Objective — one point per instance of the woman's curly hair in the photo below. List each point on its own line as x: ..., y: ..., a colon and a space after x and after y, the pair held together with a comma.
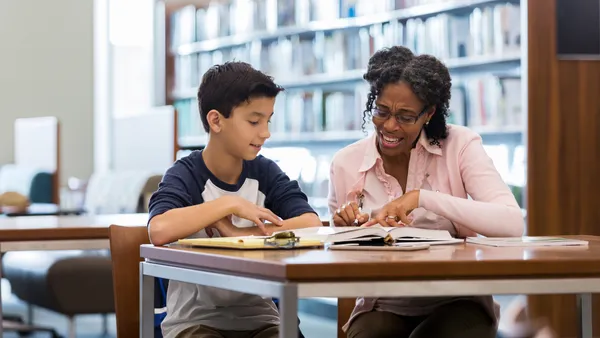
x: 428, y: 77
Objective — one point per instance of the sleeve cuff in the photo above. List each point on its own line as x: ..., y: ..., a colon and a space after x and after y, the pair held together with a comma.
x: 299, y: 209
x: 425, y: 198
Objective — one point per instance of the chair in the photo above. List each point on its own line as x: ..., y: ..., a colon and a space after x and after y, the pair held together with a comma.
x: 36, y: 184
x: 70, y: 282
x: 125, y: 252
x: 345, y: 307
x: 46, y: 278
x: 37, y: 145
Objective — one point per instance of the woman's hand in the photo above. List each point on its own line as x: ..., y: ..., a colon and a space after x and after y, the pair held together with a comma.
x: 397, y: 210
x: 349, y: 215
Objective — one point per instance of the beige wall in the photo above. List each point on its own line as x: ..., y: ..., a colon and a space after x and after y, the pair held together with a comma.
x: 46, y: 68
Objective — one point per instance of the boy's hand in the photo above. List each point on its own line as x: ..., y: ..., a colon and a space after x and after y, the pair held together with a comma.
x: 209, y: 232
x: 243, y: 208
x: 224, y: 227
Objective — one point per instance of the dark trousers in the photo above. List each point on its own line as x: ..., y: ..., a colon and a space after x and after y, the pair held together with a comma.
x: 460, y: 319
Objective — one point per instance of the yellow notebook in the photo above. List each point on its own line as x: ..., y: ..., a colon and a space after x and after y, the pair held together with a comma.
x: 250, y: 242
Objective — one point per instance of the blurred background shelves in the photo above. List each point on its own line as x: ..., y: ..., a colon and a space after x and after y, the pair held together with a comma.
x: 319, y: 50
x: 286, y: 140
x: 417, y: 11
x: 350, y: 78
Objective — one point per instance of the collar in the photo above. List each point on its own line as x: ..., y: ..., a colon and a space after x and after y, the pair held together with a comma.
x: 372, y: 155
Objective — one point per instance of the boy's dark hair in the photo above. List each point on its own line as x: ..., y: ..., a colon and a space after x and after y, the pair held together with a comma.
x: 226, y: 86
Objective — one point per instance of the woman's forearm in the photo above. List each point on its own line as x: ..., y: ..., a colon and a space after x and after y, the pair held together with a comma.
x: 492, y: 219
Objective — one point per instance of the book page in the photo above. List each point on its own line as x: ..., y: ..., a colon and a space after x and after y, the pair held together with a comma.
x: 418, y: 233
x: 333, y: 234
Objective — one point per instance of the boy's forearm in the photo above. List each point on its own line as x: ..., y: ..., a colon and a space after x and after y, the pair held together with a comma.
x: 303, y: 221
x: 180, y: 223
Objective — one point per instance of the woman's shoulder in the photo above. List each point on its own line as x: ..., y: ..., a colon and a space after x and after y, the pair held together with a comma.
x: 352, y: 154
x: 459, y: 136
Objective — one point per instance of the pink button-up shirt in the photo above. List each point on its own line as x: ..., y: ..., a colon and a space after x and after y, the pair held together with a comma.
x: 446, y: 176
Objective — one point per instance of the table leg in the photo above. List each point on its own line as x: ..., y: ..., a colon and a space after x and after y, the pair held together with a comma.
x: 584, y: 312
x: 288, y: 312
x: 146, y: 304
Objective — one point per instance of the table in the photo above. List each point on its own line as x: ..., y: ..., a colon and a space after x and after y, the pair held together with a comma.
x: 40, y: 209
x: 454, y: 270
x: 85, y: 232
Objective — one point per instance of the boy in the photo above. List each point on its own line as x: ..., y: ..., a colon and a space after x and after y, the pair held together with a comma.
x: 228, y: 188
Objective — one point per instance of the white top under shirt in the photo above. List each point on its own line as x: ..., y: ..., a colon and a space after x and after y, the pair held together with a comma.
x: 189, y: 182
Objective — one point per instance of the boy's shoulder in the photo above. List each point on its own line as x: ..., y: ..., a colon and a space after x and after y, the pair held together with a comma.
x: 188, y: 167
x: 261, y: 160
x: 192, y: 160
x: 261, y: 167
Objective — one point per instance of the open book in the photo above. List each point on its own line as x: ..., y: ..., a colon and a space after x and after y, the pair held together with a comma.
x: 377, y: 233
x: 526, y: 241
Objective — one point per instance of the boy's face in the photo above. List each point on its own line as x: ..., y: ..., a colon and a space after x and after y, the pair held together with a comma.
x: 247, y: 128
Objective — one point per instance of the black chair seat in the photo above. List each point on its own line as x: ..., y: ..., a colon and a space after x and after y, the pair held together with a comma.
x: 68, y: 282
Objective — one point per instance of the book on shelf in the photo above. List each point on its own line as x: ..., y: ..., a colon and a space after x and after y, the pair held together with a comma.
x: 376, y: 235
x: 487, y: 30
x: 492, y: 101
x: 489, y: 104
x: 526, y: 241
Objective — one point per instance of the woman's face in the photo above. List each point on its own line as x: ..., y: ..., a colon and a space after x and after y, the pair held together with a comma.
x: 398, y: 116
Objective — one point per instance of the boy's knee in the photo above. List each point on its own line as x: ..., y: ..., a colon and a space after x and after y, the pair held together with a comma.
x: 268, y: 332
x: 272, y: 332
x: 378, y: 324
x: 370, y: 331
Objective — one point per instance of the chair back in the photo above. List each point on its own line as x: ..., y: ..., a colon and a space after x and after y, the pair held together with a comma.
x: 119, y: 192
x: 125, y: 254
x: 37, y: 147
x: 345, y: 307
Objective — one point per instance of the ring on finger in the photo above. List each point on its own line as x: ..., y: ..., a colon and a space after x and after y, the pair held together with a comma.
x: 394, y: 217
x: 338, y: 211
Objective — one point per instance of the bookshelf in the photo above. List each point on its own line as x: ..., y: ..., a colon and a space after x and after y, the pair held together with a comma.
x: 318, y: 51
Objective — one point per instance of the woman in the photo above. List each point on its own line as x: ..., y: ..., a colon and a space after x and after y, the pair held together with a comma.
x: 416, y: 170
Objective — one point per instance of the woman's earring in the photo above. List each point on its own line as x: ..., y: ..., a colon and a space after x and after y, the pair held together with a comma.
x: 427, y: 123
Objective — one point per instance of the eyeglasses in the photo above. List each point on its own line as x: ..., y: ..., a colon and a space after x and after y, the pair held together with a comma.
x: 400, y: 118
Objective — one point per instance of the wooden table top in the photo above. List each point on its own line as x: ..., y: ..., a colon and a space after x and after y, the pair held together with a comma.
x: 82, y: 227
x: 439, y: 262
x: 39, y: 209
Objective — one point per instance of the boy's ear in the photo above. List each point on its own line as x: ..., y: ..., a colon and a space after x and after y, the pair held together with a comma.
x: 215, y: 121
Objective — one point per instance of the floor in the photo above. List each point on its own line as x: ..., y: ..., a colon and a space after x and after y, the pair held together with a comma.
x: 314, y: 325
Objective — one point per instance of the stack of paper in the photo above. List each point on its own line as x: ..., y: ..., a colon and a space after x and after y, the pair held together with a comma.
x: 526, y: 241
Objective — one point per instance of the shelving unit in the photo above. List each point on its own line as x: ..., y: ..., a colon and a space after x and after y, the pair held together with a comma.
x: 321, y: 61
x: 416, y: 12
x: 351, y: 78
